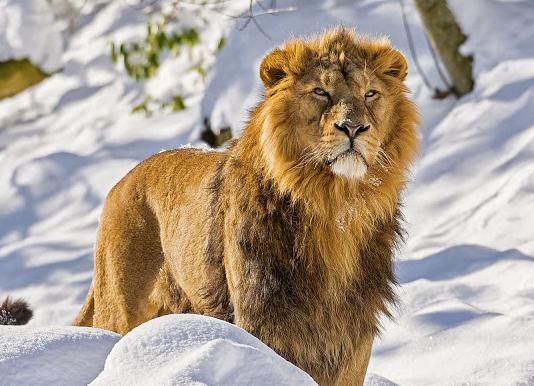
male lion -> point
(290, 232)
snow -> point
(196, 350)
(28, 30)
(52, 355)
(467, 293)
(170, 350)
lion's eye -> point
(371, 93)
(320, 91)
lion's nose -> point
(351, 129)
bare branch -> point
(213, 5)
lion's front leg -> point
(354, 373)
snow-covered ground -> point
(60, 356)
(196, 350)
(467, 271)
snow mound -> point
(52, 355)
(23, 21)
(196, 350)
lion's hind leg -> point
(169, 295)
(128, 260)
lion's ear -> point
(273, 67)
(396, 65)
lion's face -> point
(331, 102)
(340, 113)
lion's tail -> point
(15, 313)
(85, 317)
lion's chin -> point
(349, 166)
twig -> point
(437, 64)
(412, 47)
(248, 16)
(251, 16)
(438, 94)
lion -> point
(290, 232)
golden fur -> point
(290, 232)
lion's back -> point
(168, 174)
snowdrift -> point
(196, 350)
(57, 356)
(171, 350)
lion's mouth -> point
(351, 152)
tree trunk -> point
(446, 37)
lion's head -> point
(336, 104)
